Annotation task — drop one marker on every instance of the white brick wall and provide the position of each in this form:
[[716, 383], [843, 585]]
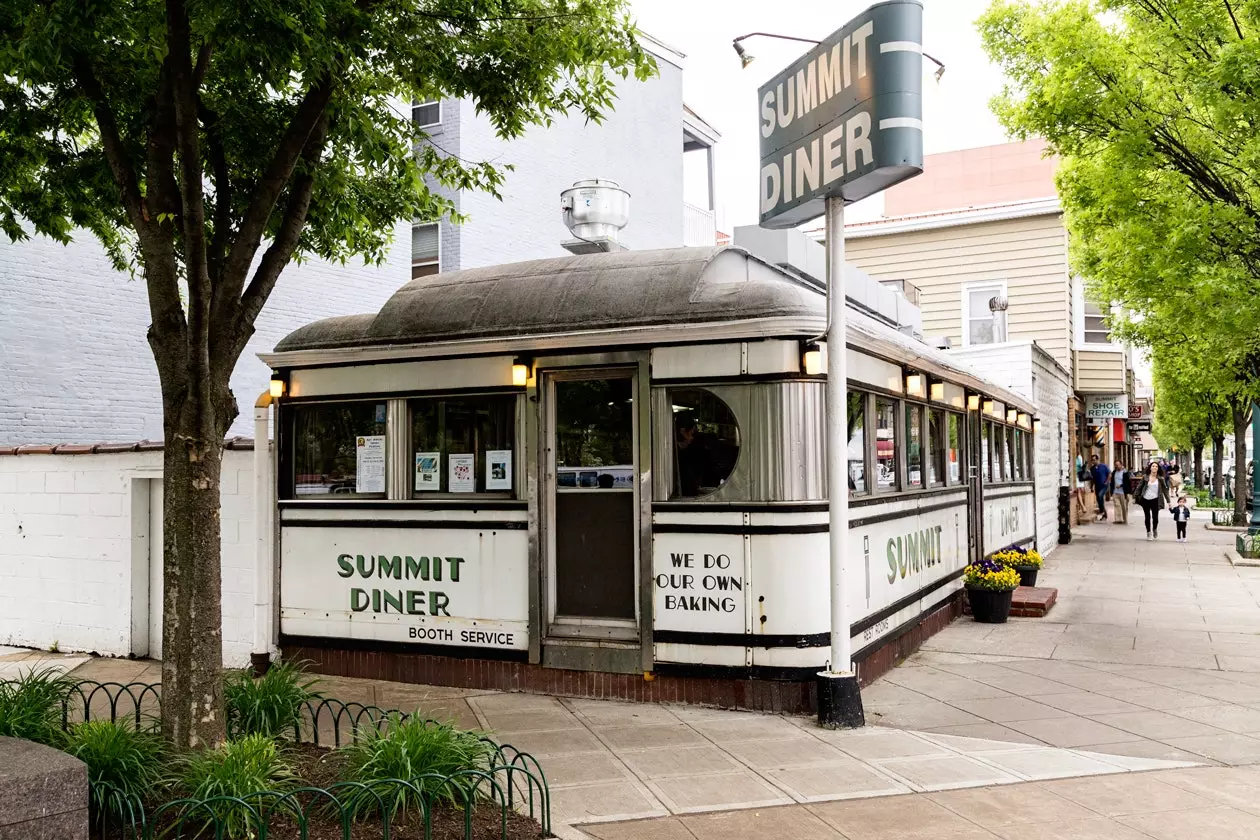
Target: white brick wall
[[72, 534]]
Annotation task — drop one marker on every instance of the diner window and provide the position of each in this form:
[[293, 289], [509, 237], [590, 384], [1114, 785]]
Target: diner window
[[706, 442], [856, 457], [1010, 455], [936, 447], [885, 444], [463, 444], [986, 464], [954, 466], [425, 249], [914, 445], [338, 450], [1029, 455]]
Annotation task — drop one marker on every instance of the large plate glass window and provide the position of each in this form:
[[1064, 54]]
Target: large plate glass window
[[338, 450], [856, 458], [954, 466], [1018, 454], [936, 447], [1010, 454], [986, 463], [462, 445], [914, 445], [885, 444], [706, 442]]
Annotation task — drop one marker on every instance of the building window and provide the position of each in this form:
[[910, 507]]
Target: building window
[[426, 114], [986, 431], [885, 444], [425, 249], [981, 324], [1096, 331], [1010, 455], [936, 447], [955, 449], [856, 414], [914, 445], [338, 450], [463, 444], [706, 442]]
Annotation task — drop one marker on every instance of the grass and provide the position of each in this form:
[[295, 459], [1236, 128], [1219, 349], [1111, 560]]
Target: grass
[[408, 749], [238, 770], [31, 706], [124, 764], [270, 705]]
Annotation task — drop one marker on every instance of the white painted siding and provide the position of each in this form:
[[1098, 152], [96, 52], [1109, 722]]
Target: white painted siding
[[1100, 372]]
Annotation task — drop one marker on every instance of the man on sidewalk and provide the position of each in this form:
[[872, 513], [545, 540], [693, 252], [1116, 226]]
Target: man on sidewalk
[[1101, 475], [1120, 493]]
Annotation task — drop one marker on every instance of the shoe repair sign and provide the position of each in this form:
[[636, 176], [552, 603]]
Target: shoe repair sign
[[1105, 406]]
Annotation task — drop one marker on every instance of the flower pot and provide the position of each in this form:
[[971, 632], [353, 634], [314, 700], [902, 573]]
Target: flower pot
[[990, 606], [1027, 575]]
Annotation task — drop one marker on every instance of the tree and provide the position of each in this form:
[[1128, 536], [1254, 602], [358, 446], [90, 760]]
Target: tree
[[1189, 413], [1153, 106], [209, 144]]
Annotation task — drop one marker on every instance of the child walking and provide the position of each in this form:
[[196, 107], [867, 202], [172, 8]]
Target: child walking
[[1181, 515]]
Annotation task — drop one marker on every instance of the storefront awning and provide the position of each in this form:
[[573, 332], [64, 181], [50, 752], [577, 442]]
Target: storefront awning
[[1147, 442]]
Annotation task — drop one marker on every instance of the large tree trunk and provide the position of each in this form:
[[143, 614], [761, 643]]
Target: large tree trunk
[[192, 614], [1239, 412], [1198, 465], [1218, 466]]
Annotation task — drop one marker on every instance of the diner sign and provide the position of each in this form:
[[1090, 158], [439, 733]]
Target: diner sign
[[846, 119]]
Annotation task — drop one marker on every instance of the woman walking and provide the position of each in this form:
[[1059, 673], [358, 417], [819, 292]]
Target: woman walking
[[1152, 494]]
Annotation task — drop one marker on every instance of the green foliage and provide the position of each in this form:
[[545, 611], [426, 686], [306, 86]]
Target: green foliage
[[239, 769], [32, 706], [408, 749], [270, 705], [119, 759]]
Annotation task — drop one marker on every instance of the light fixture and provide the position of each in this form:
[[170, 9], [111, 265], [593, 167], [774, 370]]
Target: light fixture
[[973, 402], [811, 359], [1024, 419], [1036, 426], [277, 387], [988, 406], [915, 385], [1011, 415], [520, 371], [937, 391], [745, 59]]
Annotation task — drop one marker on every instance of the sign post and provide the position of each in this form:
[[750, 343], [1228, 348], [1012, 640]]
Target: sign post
[[841, 123]]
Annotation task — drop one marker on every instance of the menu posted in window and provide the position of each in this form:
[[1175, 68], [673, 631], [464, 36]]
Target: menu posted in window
[[463, 474], [369, 464], [499, 469]]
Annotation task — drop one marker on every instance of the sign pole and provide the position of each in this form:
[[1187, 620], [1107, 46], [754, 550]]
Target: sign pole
[[839, 698]]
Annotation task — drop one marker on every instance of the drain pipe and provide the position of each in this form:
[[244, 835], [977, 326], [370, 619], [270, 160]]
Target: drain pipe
[[264, 566]]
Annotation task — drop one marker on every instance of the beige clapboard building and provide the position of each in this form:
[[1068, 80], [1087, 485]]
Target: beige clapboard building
[[979, 239]]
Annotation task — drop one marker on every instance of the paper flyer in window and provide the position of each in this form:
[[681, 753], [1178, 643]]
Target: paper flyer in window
[[463, 474], [369, 464], [499, 469], [429, 471]]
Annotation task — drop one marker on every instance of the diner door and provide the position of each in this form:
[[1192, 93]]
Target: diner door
[[592, 442]]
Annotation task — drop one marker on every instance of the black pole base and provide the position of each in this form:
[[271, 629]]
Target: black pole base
[[259, 663], [839, 701]]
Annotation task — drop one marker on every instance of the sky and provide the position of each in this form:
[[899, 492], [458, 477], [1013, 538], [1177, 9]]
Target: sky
[[955, 111]]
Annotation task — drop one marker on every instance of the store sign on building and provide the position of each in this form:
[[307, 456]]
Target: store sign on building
[[460, 587], [846, 118], [1136, 426], [1008, 520], [1136, 411], [699, 583], [1106, 406]]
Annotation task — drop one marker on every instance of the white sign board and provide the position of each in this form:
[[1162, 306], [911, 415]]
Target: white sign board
[[1008, 521], [369, 464], [458, 586], [699, 583], [1104, 406], [463, 473]]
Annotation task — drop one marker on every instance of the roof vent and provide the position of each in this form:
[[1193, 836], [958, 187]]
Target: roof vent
[[595, 211]]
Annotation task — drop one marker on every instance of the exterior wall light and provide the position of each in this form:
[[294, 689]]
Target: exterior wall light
[[811, 359], [277, 387], [1024, 420], [1036, 426], [1011, 416], [937, 391], [988, 407], [973, 402], [916, 385], [521, 371]]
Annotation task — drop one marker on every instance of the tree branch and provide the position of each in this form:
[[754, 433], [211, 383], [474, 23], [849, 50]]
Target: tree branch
[[1237, 28], [111, 142]]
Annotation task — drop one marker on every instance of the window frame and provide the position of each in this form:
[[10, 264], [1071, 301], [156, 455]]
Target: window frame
[[673, 443], [286, 490], [436, 261], [1086, 332], [999, 286], [514, 429], [961, 420], [909, 410], [417, 105], [866, 398], [898, 455], [933, 444]]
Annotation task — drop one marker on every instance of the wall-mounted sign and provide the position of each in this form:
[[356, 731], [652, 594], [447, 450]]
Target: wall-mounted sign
[[1008, 520], [1136, 426], [1106, 406], [846, 118], [461, 587], [1137, 411], [699, 583]]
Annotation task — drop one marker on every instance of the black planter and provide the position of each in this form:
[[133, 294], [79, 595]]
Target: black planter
[[1027, 575], [990, 606]]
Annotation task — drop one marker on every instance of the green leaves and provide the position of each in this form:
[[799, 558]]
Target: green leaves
[[270, 705]]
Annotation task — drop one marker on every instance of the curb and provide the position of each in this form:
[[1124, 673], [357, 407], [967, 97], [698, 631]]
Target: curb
[[1237, 529], [1236, 559]]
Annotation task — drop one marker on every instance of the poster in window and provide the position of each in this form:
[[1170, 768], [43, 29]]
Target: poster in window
[[369, 464], [499, 469], [463, 474], [429, 471]]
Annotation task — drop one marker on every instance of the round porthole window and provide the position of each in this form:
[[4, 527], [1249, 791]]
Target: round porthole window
[[706, 442]]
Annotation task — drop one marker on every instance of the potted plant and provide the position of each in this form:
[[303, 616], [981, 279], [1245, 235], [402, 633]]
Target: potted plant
[[1025, 561], [990, 585]]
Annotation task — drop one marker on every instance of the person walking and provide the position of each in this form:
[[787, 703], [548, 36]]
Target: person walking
[[1120, 493], [1101, 475], [1174, 477], [1181, 516], [1152, 495]]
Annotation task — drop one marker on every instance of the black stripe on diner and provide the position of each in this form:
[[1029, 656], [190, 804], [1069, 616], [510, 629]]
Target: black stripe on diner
[[745, 640], [750, 530], [736, 672], [899, 605], [739, 507], [421, 524], [903, 628], [904, 495], [902, 514], [382, 396], [418, 648], [409, 505]]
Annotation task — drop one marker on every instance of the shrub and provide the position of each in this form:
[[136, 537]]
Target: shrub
[[123, 763], [269, 705], [240, 769], [990, 574], [32, 706], [407, 749]]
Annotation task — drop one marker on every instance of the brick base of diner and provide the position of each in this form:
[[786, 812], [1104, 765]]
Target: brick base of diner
[[780, 696]]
